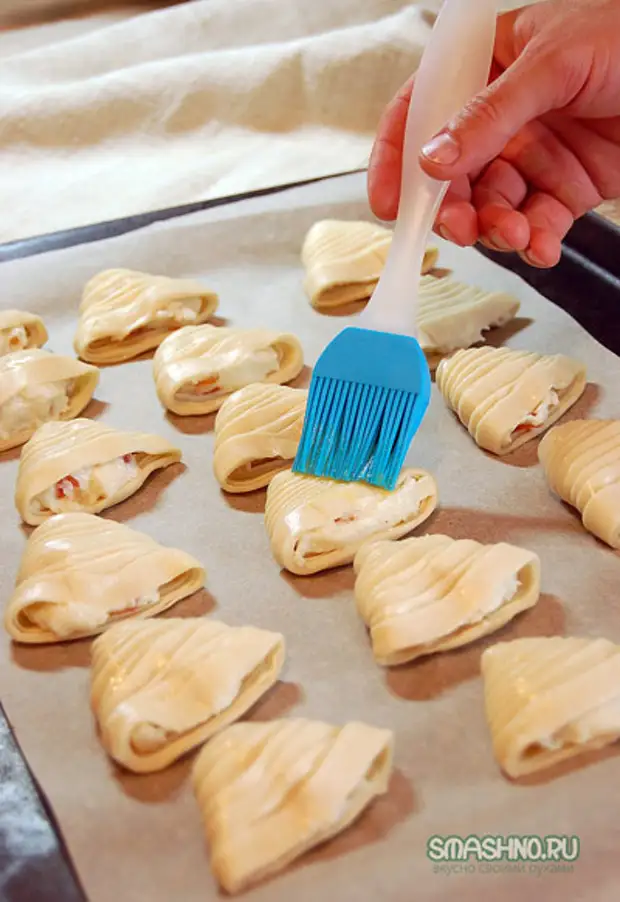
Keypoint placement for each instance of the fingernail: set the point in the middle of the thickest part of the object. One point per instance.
(499, 241)
(443, 149)
(446, 234)
(535, 261)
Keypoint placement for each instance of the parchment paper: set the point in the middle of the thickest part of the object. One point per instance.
(138, 838)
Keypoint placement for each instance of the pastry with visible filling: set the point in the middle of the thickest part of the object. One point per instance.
(80, 574)
(344, 260)
(124, 313)
(453, 315)
(196, 368)
(85, 466)
(20, 330)
(37, 387)
(257, 431)
(550, 699)
(161, 688)
(314, 524)
(433, 593)
(506, 398)
(581, 460)
(269, 792)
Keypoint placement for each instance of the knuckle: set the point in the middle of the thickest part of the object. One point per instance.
(482, 110)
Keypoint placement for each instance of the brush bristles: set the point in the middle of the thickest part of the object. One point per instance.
(354, 432)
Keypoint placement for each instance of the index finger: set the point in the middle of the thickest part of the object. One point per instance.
(384, 168)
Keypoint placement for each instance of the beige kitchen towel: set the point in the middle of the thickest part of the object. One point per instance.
(199, 100)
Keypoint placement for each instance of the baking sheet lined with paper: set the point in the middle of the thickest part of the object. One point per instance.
(136, 837)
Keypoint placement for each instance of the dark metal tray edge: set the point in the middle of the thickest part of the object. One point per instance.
(598, 240)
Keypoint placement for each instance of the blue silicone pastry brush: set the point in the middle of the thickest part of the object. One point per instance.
(371, 385)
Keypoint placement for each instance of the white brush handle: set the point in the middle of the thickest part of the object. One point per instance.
(454, 68)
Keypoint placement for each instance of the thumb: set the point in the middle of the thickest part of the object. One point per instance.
(538, 82)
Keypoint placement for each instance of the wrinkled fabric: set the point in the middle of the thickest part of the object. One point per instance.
(135, 110)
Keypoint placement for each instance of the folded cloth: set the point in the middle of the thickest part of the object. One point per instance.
(200, 100)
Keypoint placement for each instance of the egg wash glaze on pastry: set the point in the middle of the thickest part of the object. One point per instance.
(581, 462)
(269, 792)
(20, 330)
(550, 699)
(38, 387)
(506, 397)
(79, 574)
(160, 688)
(433, 593)
(318, 523)
(124, 313)
(196, 368)
(257, 431)
(83, 465)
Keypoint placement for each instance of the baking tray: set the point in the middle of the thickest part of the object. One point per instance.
(590, 293)
(596, 240)
(33, 860)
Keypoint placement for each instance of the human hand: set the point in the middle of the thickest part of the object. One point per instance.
(536, 150)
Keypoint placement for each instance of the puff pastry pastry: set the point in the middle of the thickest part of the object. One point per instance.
(79, 574)
(269, 792)
(505, 397)
(257, 431)
(85, 466)
(581, 461)
(343, 261)
(161, 688)
(314, 524)
(197, 367)
(124, 313)
(550, 699)
(453, 315)
(36, 387)
(20, 330)
(434, 593)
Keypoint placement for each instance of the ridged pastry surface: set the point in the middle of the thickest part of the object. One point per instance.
(124, 313)
(196, 368)
(506, 397)
(433, 593)
(314, 524)
(269, 792)
(79, 574)
(550, 699)
(581, 460)
(257, 431)
(82, 465)
(162, 687)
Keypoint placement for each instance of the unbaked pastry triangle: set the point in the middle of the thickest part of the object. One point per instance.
(20, 330)
(162, 687)
(550, 699)
(36, 387)
(505, 397)
(85, 466)
(79, 574)
(124, 313)
(344, 259)
(453, 315)
(433, 593)
(196, 368)
(581, 460)
(314, 524)
(257, 431)
(269, 792)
